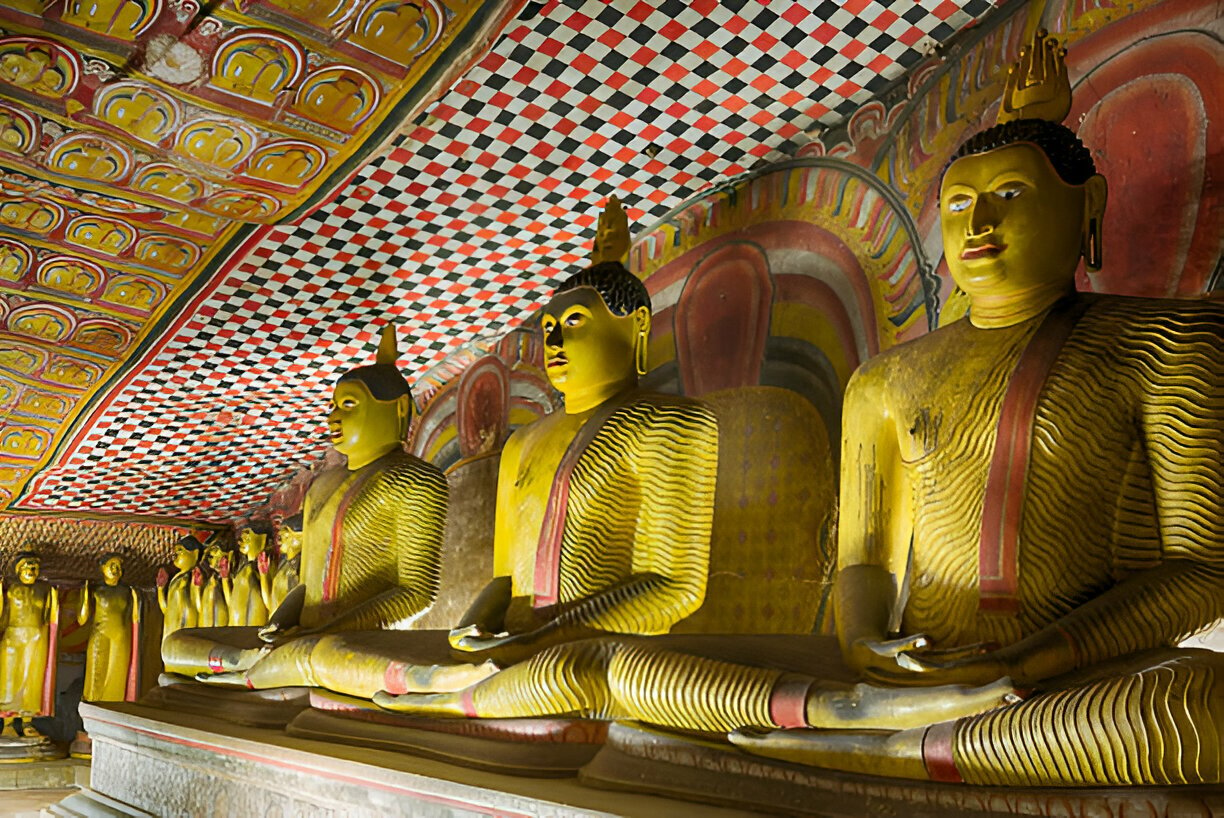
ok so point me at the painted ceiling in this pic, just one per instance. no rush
(205, 215)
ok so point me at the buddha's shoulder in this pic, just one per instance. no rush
(921, 353)
(657, 407)
(1136, 313)
(410, 473)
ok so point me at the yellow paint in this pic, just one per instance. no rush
(800, 321)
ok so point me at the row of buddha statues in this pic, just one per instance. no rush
(198, 594)
(1030, 523)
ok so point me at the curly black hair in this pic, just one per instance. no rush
(1067, 154)
(621, 290)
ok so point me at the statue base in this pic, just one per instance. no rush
(274, 707)
(81, 746)
(154, 762)
(697, 768)
(23, 749)
(538, 748)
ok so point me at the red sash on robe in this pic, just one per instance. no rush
(1003, 505)
(547, 578)
(335, 551)
(47, 705)
(132, 691)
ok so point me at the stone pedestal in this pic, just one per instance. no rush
(147, 761)
(642, 759)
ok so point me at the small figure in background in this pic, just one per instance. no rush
(244, 591)
(213, 593)
(111, 659)
(278, 579)
(29, 612)
(175, 597)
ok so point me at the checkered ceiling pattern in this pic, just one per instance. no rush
(460, 227)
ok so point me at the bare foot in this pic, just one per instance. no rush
(28, 731)
(442, 705)
(228, 679)
(868, 706)
(896, 755)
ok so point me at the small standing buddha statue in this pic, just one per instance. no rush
(178, 595)
(210, 594)
(371, 544)
(245, 590)
(1032, 493)
(112, 654)
(29, 615)
(285, 572)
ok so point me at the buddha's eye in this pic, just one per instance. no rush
(573, 320)
(1008, 192)
(959, 203)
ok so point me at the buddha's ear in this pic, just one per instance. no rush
(403, 412)
(641, 320)
(1095, 193)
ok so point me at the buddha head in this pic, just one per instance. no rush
(187, 553)
(252, 541)
(371, 407)
(1020, 204)
(112, 568)
(290, 537)
(596, 329)
(213, 554)
(27, 567)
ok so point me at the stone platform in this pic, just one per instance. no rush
(149, 761)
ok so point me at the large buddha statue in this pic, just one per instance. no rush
(29, 616)
(371, 542)
(1034, 492)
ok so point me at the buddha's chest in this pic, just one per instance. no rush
(112, 603)
(25, 604)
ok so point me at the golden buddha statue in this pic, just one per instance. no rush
(29, 614)
(603, 515)
(112, 655)
(1033, 493)
(285, 573)
(178, 595)
(246, 588)
(210, 595)
(371, 544)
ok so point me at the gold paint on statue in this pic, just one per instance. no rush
(210, 596)
(177, 596)
(371, 544)
(29, 612)
(245, 592)
(1059, 526)
(285, 573)
(115, 611)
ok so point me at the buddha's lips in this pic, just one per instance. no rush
(983, 251)
(558, 361)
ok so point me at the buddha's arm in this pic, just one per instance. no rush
(416, 525)
(83, 609)
(874, 529)
(677, 471)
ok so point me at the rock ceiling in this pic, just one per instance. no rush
(205, 212)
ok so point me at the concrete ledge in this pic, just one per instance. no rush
(44, 775)
(172, 764)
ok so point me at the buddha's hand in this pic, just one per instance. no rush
(262, 562)
(223, 567)
(276, 636)
(163, 577)
(968, 665)
(876, 658)
(473, 639)
(197, 577)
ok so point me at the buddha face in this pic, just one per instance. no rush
(251, 544)
(290, 543)
(361, 427)
(112, 570)
(185, 558)
(1010, 224)
(586, 347)
(27, 570)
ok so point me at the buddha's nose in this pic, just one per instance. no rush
(552, 337)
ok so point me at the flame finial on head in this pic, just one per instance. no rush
(388, 352)
(611, 234)
(1037, 86)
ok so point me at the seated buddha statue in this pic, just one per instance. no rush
(112, 653)
(244, 598)
(1034, 492)
(371, 541)
(178, 595)
(29, 615)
